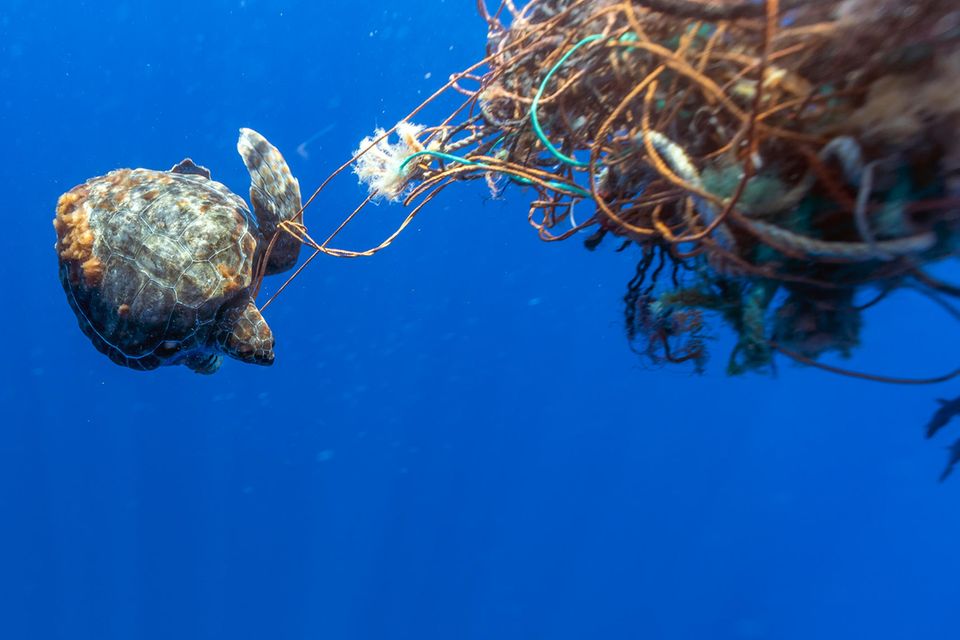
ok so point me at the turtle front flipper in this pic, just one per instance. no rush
(275, 195)
(242, 333)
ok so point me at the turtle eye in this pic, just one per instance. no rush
(168, 348)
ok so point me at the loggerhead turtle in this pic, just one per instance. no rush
(159, 266)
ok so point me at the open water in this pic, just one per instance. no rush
(455, 442)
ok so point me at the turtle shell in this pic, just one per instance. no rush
(148, 259)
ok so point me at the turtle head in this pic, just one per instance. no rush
(242, 333)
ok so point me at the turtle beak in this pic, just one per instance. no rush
(266, 359)
(258, 351)
(262, 355)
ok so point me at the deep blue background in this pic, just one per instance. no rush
(455, 441)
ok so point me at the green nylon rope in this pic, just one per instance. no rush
(535, 120)
(559, 186)
(442, 156)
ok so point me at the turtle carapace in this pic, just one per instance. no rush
(159, 265)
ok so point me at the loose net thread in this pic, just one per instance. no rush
(741, 145)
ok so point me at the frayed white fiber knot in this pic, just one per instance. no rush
(381, 169)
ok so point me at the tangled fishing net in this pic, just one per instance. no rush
(772, 161)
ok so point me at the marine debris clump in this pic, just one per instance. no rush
(773, 162)
(778, 165)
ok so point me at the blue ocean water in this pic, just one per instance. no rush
(455, 441)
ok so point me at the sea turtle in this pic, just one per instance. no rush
(160, 266)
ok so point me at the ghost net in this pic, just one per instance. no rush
(771, 161)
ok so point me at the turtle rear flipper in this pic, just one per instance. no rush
(275, 195)
(189, 167)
